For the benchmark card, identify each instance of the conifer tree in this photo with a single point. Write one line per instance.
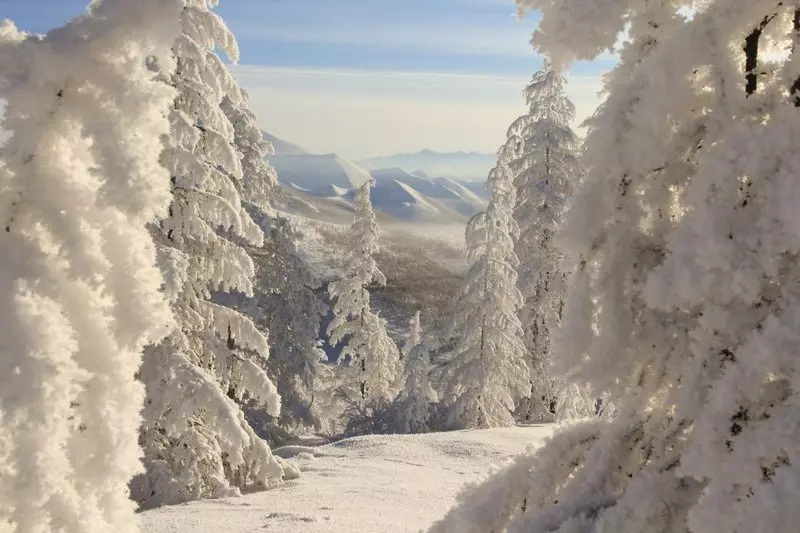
(196, 439)
(486, 375)
(417, 394)
(79, 182)
(367, 343)
(414, 336)
(286, 303)
(545, 174)
(683, 304)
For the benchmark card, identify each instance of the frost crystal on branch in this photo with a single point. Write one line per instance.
(683, 301)
(79, 181)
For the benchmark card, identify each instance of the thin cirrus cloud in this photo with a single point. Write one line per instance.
(367, 113)
(371, 77)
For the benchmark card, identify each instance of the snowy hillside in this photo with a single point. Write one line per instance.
(448, 193)
(469, 166)
(321, 187)
(282, 147)
(381, 484)
(316, 174)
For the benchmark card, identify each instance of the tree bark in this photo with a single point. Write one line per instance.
(751, 55)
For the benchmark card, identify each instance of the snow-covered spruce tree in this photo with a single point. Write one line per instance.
(684, 302)
(414, 336)
(197, 442)
(259, 179)
(79, 181)
(368, 344)
(545, 174)
(286, 304)
(413, 408)
(486, 375)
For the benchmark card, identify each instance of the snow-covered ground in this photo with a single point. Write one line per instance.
(381, 484)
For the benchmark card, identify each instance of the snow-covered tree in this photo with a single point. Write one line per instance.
(197, 442)
(286, 304)
(259, 179)
(545, 174)
(79, 182)
(416, 396)
(486, 374)
(683, 305)
(414, 335)
(368, 344)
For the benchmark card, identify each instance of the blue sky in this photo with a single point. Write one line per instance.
(373, 77)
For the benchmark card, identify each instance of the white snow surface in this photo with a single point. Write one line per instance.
(376, 483)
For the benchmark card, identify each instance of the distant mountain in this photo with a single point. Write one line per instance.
(323, 187)
(445, 192)
(283, 147)
(478, 188)
(318, 174)
(467, 166)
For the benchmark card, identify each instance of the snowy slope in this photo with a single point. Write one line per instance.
(373, 484)
(316, 174)
(477, 188)
(472, 166)
(442, 191)
(282, 147)
(319, 185)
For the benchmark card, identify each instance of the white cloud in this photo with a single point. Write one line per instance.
(364, 113)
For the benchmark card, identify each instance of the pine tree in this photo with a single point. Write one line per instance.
(79, 181)
(367, 342)
(486, 375)
(259, 179)
(414, 336)
(545, 174)
(684, 301)
(417, 394)
(286, 304)
(197, 442)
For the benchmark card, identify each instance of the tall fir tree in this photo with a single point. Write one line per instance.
(417, 395)
(197, 442)
(79, 182)
(683, 304)
(288, 305)
(414, 335)
(367, 343)
(486, 374)
(545, 174)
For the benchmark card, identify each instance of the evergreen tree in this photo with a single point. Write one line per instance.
(414, 336)
(486, 374)
(197, 442)
(684, 301)
(259, 180)
(545, 174)
(367, 342)
(79, 181)
(286, 304)
(417, 394)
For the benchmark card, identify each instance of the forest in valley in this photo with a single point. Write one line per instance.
(182, 325)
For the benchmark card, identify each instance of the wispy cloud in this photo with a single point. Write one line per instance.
(364, 113)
